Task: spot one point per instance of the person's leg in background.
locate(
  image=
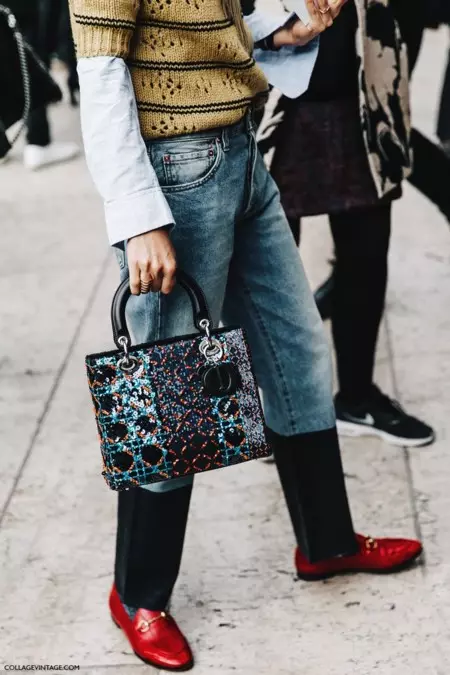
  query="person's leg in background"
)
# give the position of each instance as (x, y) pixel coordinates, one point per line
(38, 128)
(269, 295)
(40, 151)
(361, 243)
(66, 52)
(361, 239)
(443, 128)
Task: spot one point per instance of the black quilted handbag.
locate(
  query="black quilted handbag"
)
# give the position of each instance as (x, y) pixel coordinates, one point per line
(178, 406)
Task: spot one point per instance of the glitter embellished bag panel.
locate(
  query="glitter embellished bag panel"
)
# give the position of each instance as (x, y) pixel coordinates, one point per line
(176, 407)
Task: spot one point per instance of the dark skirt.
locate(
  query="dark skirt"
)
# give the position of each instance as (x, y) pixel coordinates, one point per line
(320, 163)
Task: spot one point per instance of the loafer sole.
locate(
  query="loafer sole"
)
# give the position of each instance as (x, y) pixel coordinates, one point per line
(360, 570)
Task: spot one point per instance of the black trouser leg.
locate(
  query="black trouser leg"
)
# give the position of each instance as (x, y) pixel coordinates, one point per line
(38, 132)
(150, 537)
(38, 128)
(312, 478)
(361, 240)
(43, 36)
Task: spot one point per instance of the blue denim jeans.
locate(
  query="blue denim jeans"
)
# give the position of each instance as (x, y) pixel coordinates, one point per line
(232, 236)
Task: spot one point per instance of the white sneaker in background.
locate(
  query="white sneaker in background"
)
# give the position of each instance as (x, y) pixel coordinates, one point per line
(38, 156)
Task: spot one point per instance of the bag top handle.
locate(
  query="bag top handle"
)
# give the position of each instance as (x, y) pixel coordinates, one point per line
(202, 317)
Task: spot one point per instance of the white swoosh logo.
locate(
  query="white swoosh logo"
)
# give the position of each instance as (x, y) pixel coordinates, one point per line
(367, 420)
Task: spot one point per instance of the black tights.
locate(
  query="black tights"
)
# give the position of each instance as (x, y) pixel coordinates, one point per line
(361, 241)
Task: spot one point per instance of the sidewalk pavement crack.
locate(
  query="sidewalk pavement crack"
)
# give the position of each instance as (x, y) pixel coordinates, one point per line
(59, 374)
(406, 453)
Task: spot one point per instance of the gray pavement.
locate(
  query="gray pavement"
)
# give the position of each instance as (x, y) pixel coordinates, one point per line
(237, 599)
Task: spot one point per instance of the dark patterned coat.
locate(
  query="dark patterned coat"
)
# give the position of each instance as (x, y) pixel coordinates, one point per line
(384, 97)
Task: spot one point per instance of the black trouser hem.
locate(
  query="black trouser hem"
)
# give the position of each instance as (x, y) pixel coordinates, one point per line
(312, 478)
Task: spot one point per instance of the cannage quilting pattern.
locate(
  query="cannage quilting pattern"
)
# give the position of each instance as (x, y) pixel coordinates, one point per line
(247, 394)
(157, 423)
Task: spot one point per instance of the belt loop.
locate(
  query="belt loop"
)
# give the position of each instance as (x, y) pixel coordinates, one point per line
(225, 139)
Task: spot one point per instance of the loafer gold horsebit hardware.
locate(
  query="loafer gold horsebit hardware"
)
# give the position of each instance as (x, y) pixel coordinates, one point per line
(145, 624)
(371, 544)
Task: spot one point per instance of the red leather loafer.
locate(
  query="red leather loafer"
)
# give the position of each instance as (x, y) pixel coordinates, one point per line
(376, 556)
(154, 636)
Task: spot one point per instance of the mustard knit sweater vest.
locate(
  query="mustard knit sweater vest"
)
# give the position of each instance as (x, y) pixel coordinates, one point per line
(189, 69)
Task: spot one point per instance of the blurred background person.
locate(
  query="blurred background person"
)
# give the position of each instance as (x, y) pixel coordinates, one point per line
(45, 25)
(343, 149)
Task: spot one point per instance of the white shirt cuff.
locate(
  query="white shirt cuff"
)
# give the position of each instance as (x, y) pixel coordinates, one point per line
(135, 214)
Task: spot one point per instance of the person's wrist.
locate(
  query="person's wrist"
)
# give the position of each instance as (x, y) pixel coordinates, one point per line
(268, 43)
(283, 37)
(161, 228)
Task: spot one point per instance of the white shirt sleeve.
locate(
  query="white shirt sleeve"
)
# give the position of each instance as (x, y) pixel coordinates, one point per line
(289, 69)
(115, 150)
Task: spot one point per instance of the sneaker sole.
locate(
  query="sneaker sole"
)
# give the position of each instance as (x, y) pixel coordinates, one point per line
(339, 573)
(178, 669)
(351, 429)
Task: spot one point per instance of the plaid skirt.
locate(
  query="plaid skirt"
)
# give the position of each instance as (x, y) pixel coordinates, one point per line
(320, 163)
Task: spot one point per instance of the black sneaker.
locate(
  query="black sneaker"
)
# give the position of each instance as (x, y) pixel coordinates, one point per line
(381, 416)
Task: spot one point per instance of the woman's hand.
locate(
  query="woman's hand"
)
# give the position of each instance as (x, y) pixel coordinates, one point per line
(322, 13)
(151, 262)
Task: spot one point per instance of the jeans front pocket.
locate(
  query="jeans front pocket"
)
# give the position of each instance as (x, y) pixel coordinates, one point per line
(185, 163)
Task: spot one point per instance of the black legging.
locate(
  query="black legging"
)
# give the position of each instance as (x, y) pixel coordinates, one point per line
(361, 241)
